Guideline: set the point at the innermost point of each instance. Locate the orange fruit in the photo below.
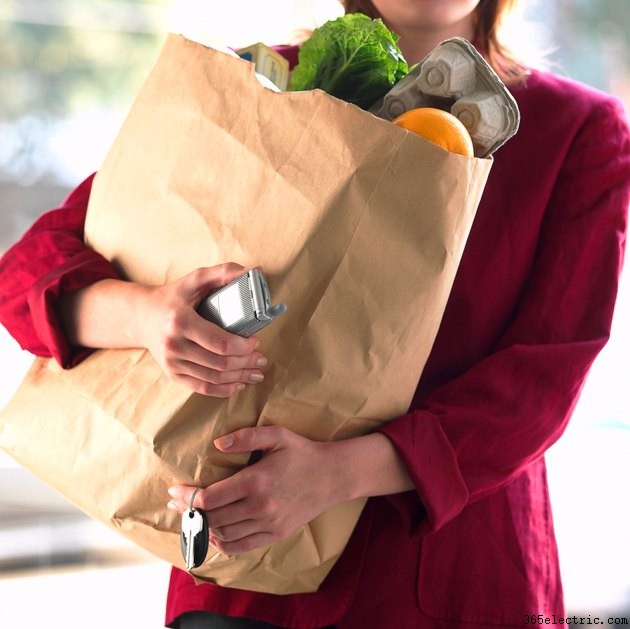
(438, 126)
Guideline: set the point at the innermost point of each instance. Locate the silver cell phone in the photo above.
(243, 306)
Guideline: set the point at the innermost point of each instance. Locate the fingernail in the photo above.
(239, 387)
(256, 376)
(173, 492)
(261, 362)
(224, 442)
(172, 505)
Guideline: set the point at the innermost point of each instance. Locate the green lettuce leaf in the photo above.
(353, 58)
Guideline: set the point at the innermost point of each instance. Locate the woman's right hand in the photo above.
(114, 313)
(194, 351)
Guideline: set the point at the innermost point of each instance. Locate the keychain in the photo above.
(194, 538)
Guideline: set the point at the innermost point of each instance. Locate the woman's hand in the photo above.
(262, 502)
(192, 350)
(163, 319)
(295, 480)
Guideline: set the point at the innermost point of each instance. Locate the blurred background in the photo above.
(69, 71)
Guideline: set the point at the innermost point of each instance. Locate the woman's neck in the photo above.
(417, 43)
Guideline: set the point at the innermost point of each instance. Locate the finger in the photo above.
(224, 500)
(181, 495)
(207, 388)
(217, 496)
(212, 376)
(190, 351)
(244, 545)
(216, 340)
(235, 532)
(235, 514)
(265, 438)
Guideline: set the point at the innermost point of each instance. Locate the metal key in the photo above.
(194, 536)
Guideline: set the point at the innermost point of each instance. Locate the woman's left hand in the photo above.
(295, 480)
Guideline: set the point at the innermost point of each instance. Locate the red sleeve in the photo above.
(473, 434)
(290, 53)
(50, 259)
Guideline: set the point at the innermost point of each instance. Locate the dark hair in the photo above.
(489, 15)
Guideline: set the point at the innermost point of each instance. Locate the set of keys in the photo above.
(194, 537)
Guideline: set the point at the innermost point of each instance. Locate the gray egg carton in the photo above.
(456, 78)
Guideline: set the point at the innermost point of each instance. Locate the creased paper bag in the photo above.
(359, 226)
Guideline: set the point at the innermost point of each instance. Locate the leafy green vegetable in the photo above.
(353, 58)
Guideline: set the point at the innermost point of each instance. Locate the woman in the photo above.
(458, 528)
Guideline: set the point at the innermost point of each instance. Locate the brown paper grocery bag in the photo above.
(359, 226)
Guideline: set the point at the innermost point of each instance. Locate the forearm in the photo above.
(106, 314)
(369, 466)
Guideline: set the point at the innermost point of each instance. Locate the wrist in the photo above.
(369, 466)
(144, 315)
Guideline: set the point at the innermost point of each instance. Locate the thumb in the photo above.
(263, 438)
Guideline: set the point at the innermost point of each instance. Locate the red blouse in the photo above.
(530, 310)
